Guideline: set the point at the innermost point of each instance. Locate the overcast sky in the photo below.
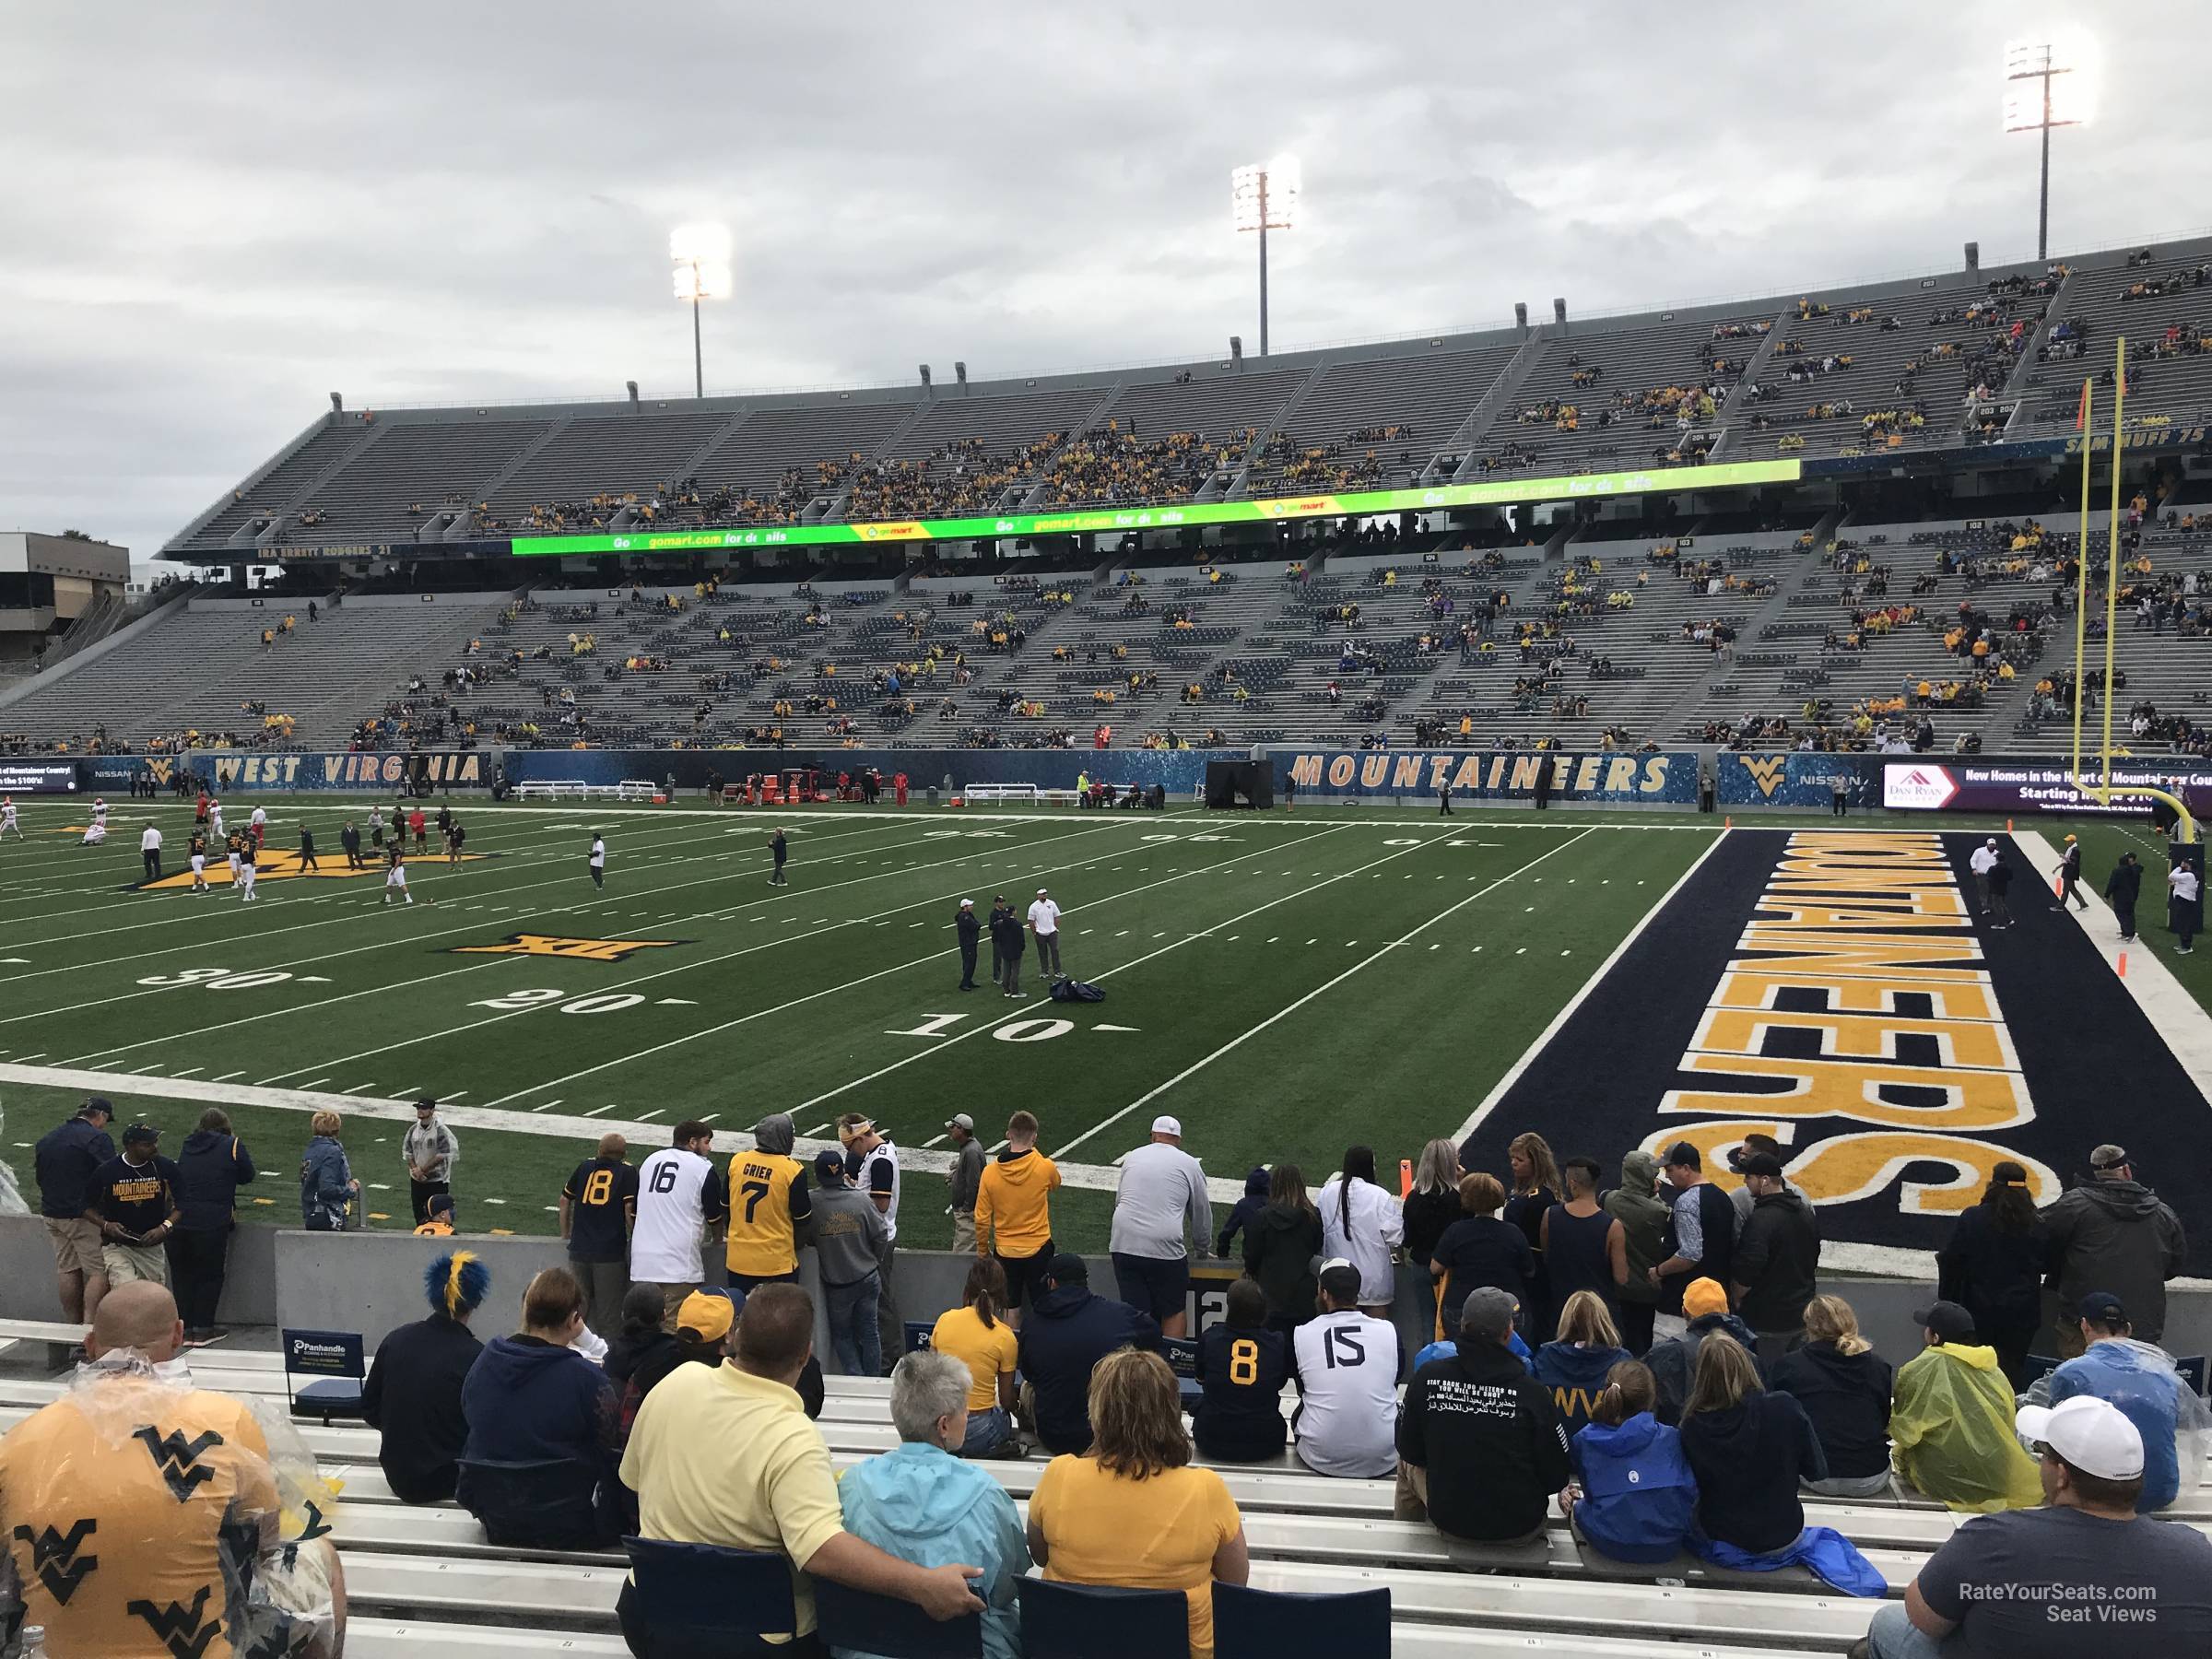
(215, 215)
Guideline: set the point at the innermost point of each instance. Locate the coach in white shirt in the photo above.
(1348, 1368)
(1984, 861)
(680, 1194)
(149, 849)
(2184, 907)
(1159, 1202)
(1044, 921)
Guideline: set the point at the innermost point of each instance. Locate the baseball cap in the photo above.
(2093, 1435)
(97, 1103)
(1488, 1312)
(440, 1204)
(141, 1134)
(1165, 1125)
(1068, 1267)
(966, 904)
(1752, 1144)
(427, 1103)
(2069, 837)
(1040, 892)
(2102, 1307)
(1703, 1296)
(961, 1119)
(1761, 1163)
(2108, 1157)
(1948, 1319)
(1340, 1281)
(706, 1314)
(1683, 1155)
(829, 1163)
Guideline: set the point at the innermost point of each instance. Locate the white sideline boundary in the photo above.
(1100, 1178)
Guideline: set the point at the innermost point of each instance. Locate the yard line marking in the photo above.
(190, 1071)
(455, 1094)
(810, 1133)
(708, 1118)
(1521, 950)
(358, 1088)
(1238, 1042)
(27, 1059)
(643, 1117)
(227, 1077)
(316, 1084)
(139, 1071)
(1512, 1073)
(597, 1110)
(546, 1107)
(933, 1140)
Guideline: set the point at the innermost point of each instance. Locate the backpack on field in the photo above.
(1075, 991)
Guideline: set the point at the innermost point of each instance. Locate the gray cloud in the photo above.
(209, 227)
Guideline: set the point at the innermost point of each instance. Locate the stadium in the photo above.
(1598, 728)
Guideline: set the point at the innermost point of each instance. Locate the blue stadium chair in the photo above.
(1267, 1624)
(890, 1629)
(334, 1361)
(538, 1505)
(1090, 1621)
(698, 1601)
(918, 1335)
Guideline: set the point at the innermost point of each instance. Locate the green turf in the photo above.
(1291, 984)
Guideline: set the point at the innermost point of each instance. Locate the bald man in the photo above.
(598, 1208)
(121, 1495)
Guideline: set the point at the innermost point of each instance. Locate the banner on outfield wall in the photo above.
(441, 768)
(1796, 778)
(40, 776)
(2046, 785)
(1666, 780)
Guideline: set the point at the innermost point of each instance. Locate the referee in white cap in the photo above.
(1044, 921)
(1160, 1202)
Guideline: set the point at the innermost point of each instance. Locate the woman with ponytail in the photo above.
(977, 1334)
(1993, 1266)
(412, 1396)
(1633, 1497)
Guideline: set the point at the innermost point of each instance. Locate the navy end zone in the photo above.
(1837, 990)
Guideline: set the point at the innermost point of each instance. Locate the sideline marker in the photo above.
(2124, 964)
(1404, 1179)
(2008, 826)
(1728, 822)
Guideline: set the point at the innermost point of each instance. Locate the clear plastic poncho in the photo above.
(143, 1514)
(2139, 1378)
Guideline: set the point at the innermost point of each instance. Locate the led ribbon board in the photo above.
(1726, 475)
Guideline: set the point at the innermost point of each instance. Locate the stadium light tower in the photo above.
(1264, 197)
(701, 256)
(2046, 87)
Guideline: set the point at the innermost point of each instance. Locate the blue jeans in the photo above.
(1892, 1636)
(987, 1430)
(852, 1309)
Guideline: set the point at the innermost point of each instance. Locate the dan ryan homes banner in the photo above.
(1665, 779)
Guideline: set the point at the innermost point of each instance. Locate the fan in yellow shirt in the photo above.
(979, 1338)
(1013, 1212)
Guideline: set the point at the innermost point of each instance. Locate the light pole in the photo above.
(700, 256)
(2043, 92)
(1264, 197)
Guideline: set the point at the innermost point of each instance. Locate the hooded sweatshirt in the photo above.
(1778, 1262)
(1639, 1496)
(1486, 1432)
(1575, 1376)
(1952, 1423)
(923, 1505)
(1749, 1460)
(1643, 1215)
(323, 1190)
(1280, 1246)
(210, 1170)
(1675, 1361)
(1014, 1204)
(1251, 1204)
(1068, 1331)
(1847, 1396)
(2117, 1236)
(529, 1401)
(2140, 1381)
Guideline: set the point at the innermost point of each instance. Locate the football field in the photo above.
(1284, 983)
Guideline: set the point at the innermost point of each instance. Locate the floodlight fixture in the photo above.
(1263, 197)
(2047, 84)
(698, 257)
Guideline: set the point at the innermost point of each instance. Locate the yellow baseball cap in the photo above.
(706, 1314)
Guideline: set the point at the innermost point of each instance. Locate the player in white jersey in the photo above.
(1347, 1366)
(246, 855)
(259, 825)
(681, 1192)
(100, 810)
(396, 876)
(7, 817)
(215, 819)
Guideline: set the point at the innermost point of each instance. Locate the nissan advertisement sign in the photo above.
(2020, 786)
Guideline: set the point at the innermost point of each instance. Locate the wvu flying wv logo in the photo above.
(577, 950)
(272, 865)
(1767, 772)
(178, 1458)
(186, 1633)
(54, 1556)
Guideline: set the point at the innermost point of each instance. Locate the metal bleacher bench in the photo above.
(984, 793)
(576, 789)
